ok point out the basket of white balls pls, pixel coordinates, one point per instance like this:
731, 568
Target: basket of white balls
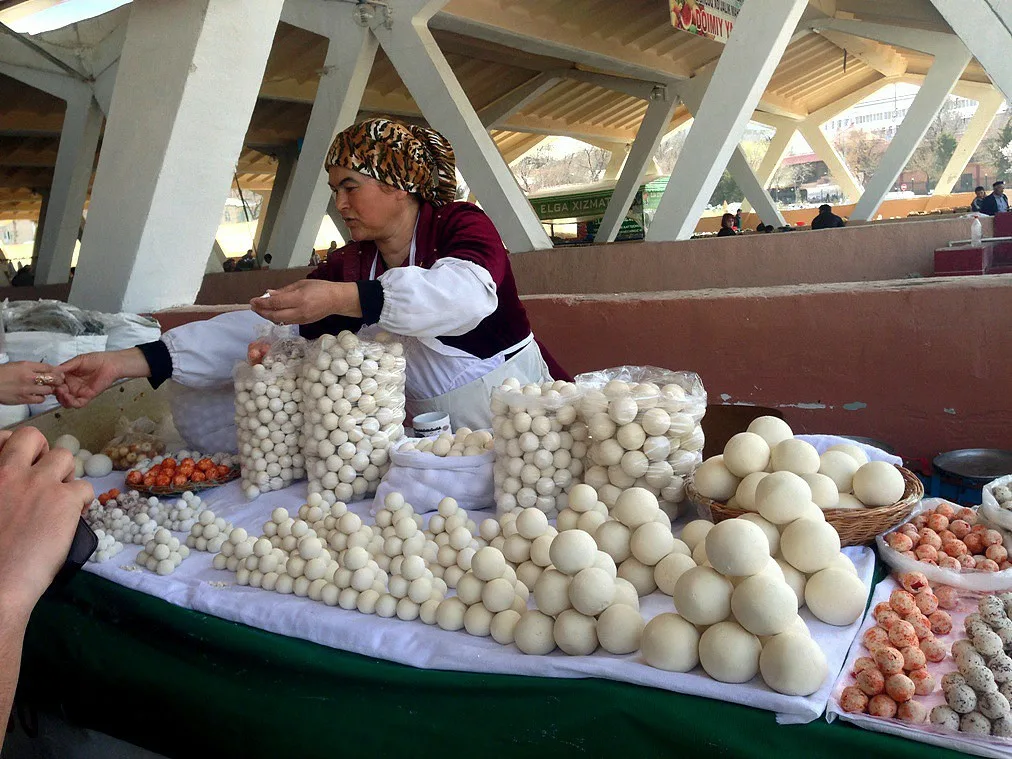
767, 470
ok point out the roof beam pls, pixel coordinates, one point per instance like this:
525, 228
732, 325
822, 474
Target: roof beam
912, 39
558, 127
883, 58
515, 100
489, 21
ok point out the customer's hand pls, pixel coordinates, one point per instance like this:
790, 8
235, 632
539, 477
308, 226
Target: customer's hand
27, 382
90, 374
309, 300
40, 503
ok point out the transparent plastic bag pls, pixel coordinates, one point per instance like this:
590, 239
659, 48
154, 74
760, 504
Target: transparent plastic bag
998, 511
644, 430
353, 399
134, 441
539, 445
967, 579
269, 418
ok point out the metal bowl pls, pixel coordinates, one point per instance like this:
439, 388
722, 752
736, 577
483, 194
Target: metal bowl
979, 465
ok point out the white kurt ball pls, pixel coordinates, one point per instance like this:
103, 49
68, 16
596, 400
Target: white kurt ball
877, 483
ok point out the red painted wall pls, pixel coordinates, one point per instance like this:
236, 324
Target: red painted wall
924, 365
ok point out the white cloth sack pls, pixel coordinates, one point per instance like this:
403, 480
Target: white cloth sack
52, 348
824, 442
130, 330
205, 418
990, 509
425, 479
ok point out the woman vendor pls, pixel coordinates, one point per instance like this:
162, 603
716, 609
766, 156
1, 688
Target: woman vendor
422, 267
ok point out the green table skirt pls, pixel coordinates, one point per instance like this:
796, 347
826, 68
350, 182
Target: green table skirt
186, 684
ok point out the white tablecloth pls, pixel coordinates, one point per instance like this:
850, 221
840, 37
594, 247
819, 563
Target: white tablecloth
194, 585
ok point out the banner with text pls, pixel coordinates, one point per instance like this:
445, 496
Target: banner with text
706, 18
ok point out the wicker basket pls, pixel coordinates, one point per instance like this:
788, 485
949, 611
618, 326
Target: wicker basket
855, 526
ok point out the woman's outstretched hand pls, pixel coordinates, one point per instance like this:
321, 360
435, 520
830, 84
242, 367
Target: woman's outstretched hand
307, 301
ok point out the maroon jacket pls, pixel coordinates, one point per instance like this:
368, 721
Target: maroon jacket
456, 230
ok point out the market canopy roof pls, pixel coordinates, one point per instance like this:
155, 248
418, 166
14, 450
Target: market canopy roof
586, 63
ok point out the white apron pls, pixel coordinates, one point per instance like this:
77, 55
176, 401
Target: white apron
440, 377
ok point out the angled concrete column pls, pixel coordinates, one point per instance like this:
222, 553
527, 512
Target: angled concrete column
422, 67
772, 159
215, 260
985, 33
269, 212
760, 36
514, 100
616, 161
942, 77
82, 125
987, 109
342, 228
40, 227
648, 137
752, 187
346, 70
171, 144
825, 150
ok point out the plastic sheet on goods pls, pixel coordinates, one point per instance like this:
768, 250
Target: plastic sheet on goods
425, 479
969, 580
353, 403
926, 732
669, 406
536, 431
990, 509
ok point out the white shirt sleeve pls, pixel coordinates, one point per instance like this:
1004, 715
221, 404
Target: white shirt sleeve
449, 299
204, 353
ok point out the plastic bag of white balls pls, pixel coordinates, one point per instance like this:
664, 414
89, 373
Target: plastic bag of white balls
424, 478
268, 420
539, 444
644, 431
353, 398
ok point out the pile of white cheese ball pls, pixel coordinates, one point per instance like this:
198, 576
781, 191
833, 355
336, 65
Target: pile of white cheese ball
840, 478
269, 422
644, 429
464, 442
163, 553
539, 444
353, 397
85, 462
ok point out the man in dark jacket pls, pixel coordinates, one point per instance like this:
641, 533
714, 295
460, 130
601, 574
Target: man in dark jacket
826, 218
996, 202
979, 193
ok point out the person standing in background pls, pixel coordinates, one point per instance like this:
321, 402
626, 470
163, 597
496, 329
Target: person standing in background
827, 219
996, 202
726, 226
979, 194
314, 258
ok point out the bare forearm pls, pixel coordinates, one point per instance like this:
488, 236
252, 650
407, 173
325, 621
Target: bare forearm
12, 632
346, 300
131, 363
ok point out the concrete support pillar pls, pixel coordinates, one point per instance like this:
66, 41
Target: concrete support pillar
648, 137
274, 201
215, 260
514, 100
825, 150
342, 228
946, 70
171, 143
987, 109
760, 36
75, 160
986, 34
422, 67
349, 60
615, 162
40, 227
754, 189
771, 161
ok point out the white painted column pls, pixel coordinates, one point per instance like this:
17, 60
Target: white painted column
772, 159
648, 137
342, 228
422, 67
269, 213
754, 189
985, 34
617, 161
838, 169
942, 77
82, 125
514, 100
350, 57
215, 260
987, 109
171, 143
760, 36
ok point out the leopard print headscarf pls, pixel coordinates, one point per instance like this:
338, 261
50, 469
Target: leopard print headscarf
410, 158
